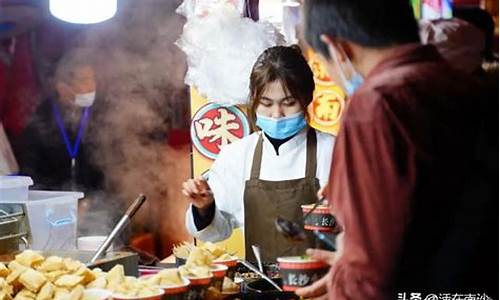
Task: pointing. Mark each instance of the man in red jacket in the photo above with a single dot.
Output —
(407, 183)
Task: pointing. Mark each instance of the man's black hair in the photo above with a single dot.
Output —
(369, 23)
(482, 20)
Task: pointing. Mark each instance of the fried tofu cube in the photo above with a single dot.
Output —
(22, 297)
(13, 278)
(71, 265)
(116, 274)
(29, 258)
(46, 292)
(88, 276)
(98, 283)
(69, 281)
(4, 272)
(52, 276)
(5, 295)
(5, 287)
(14, 266)
(25, 294)
(52, 263)
(61, 293)
(32, 280)
(76, 293)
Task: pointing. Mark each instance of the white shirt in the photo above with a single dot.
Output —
(232, 169)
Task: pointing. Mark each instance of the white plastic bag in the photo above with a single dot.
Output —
(200, 8)
(221, 48)
(8, 164)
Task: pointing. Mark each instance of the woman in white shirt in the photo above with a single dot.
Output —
(271, 172)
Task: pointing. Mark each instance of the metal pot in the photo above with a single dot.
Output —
(11, 232)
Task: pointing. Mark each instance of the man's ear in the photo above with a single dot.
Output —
(334, 47)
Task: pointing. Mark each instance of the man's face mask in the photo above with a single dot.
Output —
(85, 100)
(282, 128)
(79, 88)
(351, 79)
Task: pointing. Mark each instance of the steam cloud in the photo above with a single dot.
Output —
(140, 75)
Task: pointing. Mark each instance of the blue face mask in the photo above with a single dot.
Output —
(355, 79)
(282, 128)
(352, 84)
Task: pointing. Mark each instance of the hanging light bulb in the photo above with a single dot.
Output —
(83, 11)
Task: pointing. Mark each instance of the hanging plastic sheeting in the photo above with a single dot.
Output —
(8, 163)
(200, 8)
(221, 48)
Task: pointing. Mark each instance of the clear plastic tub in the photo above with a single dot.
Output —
(53, 219)
(14, 188)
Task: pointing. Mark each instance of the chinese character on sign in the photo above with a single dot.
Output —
(292, 279)
(303, 279)
(458, 296)
(221, 131)
(327, 222)
(318, 69)
(402, 296)
(215, 126)
(445, 296)
(327, 107)
(483, 297)
(415, 296)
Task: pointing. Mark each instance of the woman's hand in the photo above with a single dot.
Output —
(199, 193)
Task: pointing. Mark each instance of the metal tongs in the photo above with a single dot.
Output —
(295, 232)
(264, 276)
(292, 230)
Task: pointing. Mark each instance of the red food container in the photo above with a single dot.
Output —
(320, 219)
(198, 287)
(231, 265)
(219, 272)
(297, 271)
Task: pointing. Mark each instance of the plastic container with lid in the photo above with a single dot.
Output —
(53, 219)
(14, 188)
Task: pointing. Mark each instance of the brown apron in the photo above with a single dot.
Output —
(266, 200)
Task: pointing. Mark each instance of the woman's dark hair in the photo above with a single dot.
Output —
(286, 64)
(374, 23)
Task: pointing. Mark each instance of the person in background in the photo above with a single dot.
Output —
(271, 172)
(484, 22)
(53, 149)
(407, 184)
(460, 43)
(464, 46)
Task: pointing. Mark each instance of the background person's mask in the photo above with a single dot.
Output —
(85, 100)
(77, 85)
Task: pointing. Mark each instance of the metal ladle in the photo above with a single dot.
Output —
(132, 209)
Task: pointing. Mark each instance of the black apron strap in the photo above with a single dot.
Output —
(257, 158)
(311, 163)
